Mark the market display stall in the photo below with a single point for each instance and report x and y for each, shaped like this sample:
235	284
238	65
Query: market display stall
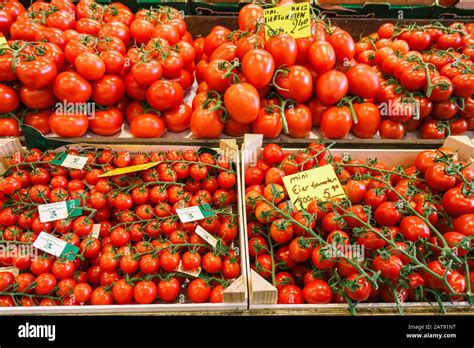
156	160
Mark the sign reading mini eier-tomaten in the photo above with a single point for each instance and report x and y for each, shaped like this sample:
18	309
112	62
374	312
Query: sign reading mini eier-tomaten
315	184
291	19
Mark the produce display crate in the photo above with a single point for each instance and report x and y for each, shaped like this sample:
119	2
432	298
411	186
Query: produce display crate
135	5
397	9
218	7
201	26
263	295
235	296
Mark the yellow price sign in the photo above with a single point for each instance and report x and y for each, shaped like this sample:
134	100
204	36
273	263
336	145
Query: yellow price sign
3	42
318	184
291	19
130	169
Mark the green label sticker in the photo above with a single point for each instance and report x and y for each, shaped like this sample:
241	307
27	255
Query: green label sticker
206	210
69	161
69	253
74	207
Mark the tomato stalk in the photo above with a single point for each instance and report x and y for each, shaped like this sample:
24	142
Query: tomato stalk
229	71
6	293
349	103
468	280
283	117
284	72
395	297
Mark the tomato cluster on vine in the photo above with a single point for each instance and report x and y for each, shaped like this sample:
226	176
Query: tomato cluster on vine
402	233
133	67
143	253
398	80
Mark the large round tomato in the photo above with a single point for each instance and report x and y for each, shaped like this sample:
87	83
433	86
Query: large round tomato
268	123
322	56
463	85
68	125
9	100
249	16
178	119
164	95
299	121
336	122
38	98
206	123
37	73
9	127
90	66
363	81
343	45
283	49
72	87
295	83
147	126
258	67
106	122
391	129
108	90
242	102
368	120
331	87
39	120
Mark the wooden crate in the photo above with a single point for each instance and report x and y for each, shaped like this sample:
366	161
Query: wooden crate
235	296
263	295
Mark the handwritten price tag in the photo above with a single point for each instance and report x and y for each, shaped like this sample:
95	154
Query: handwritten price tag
292	19
315	184
130	169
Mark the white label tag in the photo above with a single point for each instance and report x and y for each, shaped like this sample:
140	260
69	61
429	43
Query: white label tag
50	244
193	273
53	211
194	213
13	270
209	238
74	162
95	231
59	210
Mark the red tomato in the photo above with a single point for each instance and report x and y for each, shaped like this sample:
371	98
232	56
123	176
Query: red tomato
242	102
147	126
